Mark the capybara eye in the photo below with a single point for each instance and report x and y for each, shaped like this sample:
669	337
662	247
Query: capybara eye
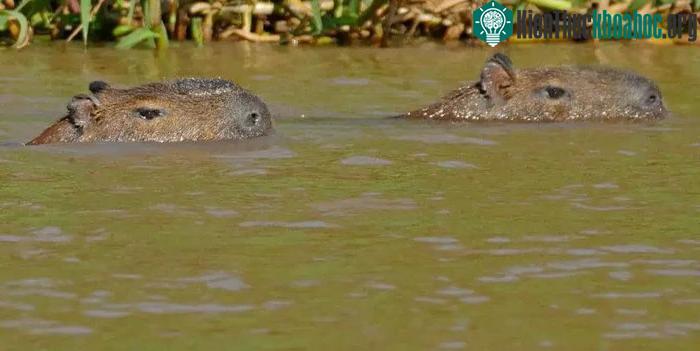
149	113
555	92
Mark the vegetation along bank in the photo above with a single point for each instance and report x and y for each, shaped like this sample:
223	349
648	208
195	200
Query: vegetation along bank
154	23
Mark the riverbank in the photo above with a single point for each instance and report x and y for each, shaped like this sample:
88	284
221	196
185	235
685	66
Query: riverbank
154	23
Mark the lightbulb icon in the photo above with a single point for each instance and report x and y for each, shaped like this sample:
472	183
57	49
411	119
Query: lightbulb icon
493	20
492	23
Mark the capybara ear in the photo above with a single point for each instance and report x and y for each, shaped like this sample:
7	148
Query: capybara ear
98	86
496	76
80	109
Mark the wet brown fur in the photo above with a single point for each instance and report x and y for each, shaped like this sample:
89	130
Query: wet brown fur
582	93
183	110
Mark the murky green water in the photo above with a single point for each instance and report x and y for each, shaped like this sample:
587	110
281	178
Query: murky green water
345	230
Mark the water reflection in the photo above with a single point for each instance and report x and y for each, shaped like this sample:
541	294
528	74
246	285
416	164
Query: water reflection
347	229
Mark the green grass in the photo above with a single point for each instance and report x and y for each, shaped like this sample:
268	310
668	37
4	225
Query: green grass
8	15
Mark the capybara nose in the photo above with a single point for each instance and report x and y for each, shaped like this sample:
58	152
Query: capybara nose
256	120
253	120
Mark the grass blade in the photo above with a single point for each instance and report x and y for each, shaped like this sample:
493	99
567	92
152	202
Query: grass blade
3	21
162	40
316	14
636	5
196	30
21	6
153	15
85	8
122	30
23	25
552	4
353	8
134	38
130	14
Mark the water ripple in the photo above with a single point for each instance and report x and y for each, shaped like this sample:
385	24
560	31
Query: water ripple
365	161
302	224
42	327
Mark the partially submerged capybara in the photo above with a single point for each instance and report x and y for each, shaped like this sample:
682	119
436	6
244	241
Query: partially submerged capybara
190	109
549	95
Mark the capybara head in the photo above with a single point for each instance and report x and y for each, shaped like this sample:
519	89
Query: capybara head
190	109
550	94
